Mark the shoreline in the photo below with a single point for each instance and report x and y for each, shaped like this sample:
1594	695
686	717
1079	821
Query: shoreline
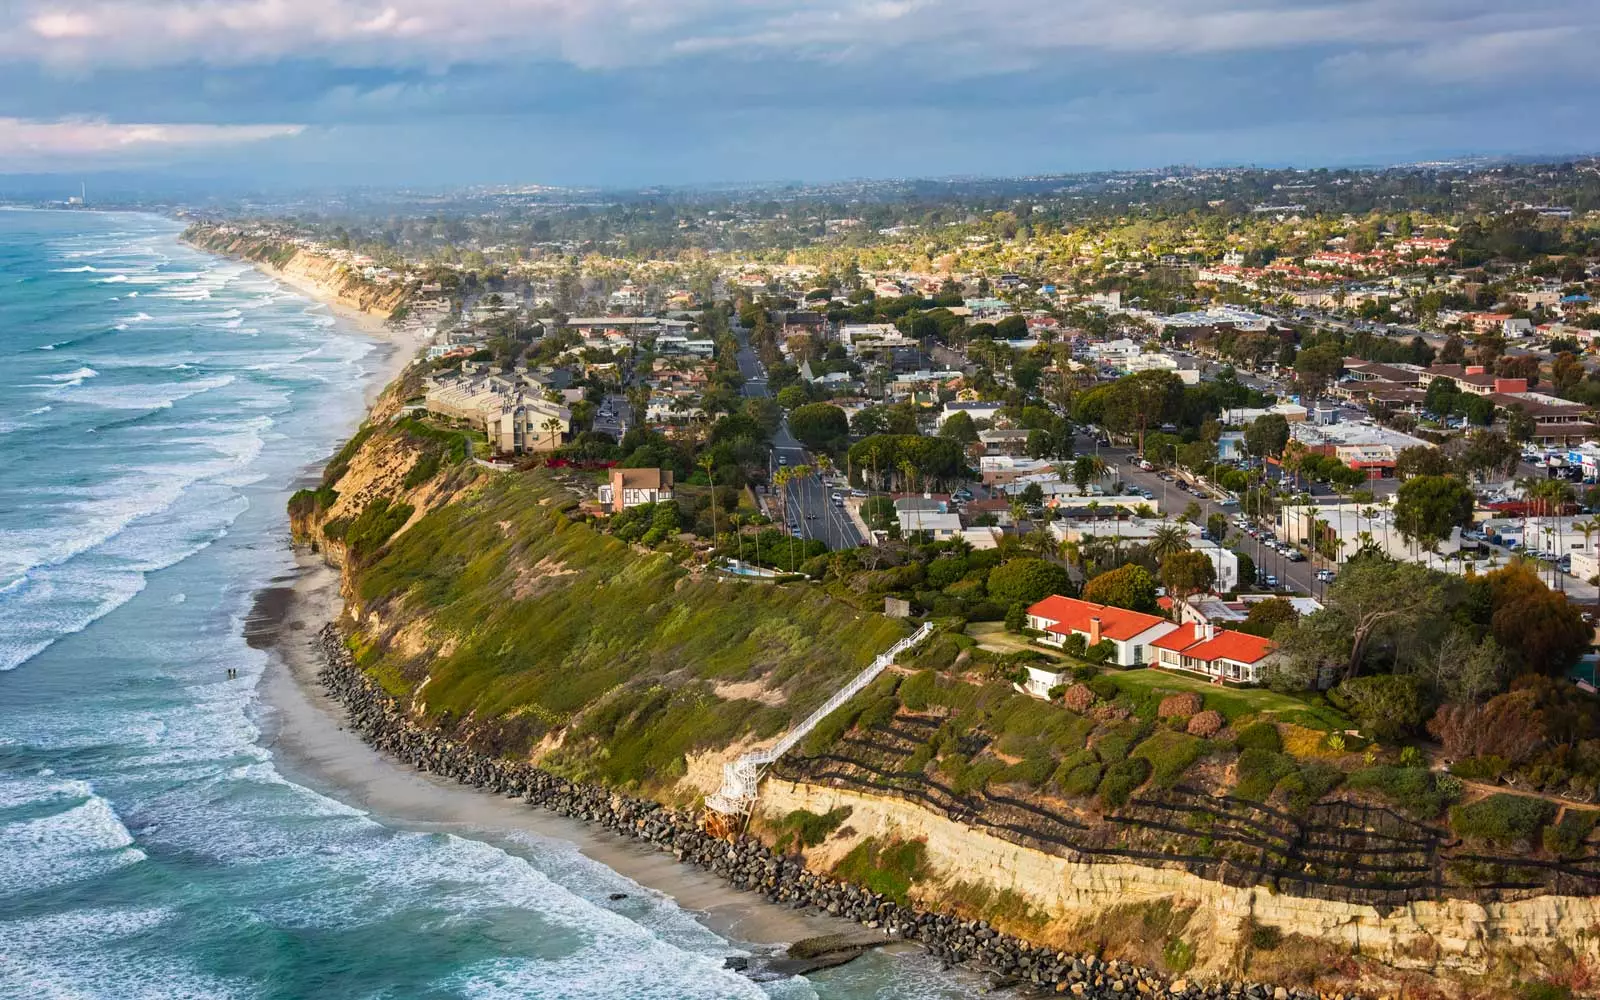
398	347
313	744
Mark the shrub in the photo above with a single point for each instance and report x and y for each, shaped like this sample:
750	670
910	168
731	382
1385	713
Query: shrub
1205	724
1179	705
1104	688
1101	652
1264	937
1414	789
878	713
1306	786
1075	645
1503	820
1170	755
1259	736
1120	781
1081	780
1259	772
1567	837
811	829
1488	768
889	867
917	689
1078	698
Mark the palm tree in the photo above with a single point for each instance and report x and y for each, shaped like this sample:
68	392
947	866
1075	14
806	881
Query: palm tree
1168	538
909	471
552	427
709	466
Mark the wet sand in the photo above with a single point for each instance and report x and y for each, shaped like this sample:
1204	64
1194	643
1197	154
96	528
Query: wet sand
306	732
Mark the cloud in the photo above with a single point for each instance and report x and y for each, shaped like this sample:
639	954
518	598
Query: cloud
26	143
606	34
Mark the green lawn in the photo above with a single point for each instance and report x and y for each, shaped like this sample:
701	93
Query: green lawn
994	637
1231	702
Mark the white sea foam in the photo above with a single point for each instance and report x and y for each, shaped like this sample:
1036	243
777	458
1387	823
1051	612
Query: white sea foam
79	838
86	268
115	279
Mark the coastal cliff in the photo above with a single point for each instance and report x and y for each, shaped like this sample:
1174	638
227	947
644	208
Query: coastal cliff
317	274
496	618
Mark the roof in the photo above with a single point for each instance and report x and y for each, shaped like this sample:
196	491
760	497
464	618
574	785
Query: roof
1072	615
643	479
1190	640
1241	647
1183	636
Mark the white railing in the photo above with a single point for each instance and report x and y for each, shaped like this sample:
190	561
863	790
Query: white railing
742	777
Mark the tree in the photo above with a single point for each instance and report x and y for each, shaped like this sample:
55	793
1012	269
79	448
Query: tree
1032	495
1464	670
1509	726
820	426
1267	435
1143	400
1421	460
1374	600
1265	616
1428	507
1542	629
1027	580
1187	573
1130	587
793	396
959	427
1315	367
1387	706
1520	425
1442	398
1086	469
1168	539
1217	526
1454	351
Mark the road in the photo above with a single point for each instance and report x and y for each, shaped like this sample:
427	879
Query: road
807	503
1298	576
617	424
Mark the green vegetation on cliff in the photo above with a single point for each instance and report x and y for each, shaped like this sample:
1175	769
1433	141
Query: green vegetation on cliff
540	627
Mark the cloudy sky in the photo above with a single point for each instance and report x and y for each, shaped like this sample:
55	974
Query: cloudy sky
686	91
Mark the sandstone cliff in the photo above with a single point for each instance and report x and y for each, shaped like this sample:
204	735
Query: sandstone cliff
315	274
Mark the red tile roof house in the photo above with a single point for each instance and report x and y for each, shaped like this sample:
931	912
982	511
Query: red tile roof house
1129	631
1220	654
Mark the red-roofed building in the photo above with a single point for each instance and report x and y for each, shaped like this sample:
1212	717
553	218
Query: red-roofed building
1131	632
1220	654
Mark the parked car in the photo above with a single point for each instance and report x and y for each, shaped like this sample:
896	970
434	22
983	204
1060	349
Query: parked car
1270	580
1295	555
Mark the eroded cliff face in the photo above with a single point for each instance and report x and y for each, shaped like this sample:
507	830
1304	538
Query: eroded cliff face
1461	946
313	273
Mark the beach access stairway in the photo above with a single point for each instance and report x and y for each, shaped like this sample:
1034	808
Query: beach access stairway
742	778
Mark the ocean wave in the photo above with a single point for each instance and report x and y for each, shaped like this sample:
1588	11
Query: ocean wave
115	279
72	835
85	269
72	378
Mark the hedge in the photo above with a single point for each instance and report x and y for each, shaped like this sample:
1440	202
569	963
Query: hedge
1259	736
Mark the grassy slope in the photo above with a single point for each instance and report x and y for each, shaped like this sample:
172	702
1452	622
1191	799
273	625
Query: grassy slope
622	649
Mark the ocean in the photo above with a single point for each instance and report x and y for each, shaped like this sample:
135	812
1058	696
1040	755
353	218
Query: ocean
157	404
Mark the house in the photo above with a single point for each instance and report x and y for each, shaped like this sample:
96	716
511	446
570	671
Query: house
1219	654
1130	632
938	526
1224	560
632	487
975	410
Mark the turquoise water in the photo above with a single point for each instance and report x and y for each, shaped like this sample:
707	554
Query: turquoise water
156	403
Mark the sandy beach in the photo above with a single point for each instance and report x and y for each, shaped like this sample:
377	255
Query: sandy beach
399	344
306	732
